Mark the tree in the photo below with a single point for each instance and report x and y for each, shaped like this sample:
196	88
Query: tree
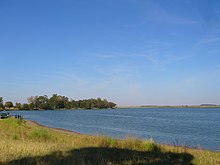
87	104
1	103
59	102
25	107
42	102
18	106
73	104
104	103
93	103
111	105
99	103
32	100
8	104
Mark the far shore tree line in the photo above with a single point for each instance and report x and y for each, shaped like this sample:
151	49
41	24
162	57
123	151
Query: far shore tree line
57	102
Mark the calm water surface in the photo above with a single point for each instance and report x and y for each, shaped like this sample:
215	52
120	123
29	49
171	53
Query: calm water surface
192	127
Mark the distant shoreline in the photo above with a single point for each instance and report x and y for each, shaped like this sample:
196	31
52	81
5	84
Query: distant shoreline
168	106
119	107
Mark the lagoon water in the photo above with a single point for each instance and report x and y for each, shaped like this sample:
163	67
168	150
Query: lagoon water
192	127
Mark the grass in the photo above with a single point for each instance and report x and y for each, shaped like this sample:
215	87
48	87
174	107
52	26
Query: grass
40	134
24	142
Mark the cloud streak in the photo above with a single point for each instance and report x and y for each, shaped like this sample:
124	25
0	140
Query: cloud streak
209	40
157	13
161	63
157	62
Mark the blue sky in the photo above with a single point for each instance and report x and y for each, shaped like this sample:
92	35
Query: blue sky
132	52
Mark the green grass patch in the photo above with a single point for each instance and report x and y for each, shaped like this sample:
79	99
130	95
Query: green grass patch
40	134
13	122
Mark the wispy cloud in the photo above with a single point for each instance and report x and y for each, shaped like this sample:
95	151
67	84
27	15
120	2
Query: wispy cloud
63	77
204	42
165	17
159	14
152	57
107	55
204	77
160	43
161	63
209	40
117	85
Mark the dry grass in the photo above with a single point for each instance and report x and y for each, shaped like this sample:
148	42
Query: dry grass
28	143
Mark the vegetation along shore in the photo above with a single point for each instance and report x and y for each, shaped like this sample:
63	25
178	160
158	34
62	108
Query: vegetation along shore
56	102
26	142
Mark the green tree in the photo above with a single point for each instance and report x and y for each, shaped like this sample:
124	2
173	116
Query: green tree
111	105
1	103
32	101
42	102
8	104
104	104
87	104
99	103
18	106
59	102
93	103
73	104
25	107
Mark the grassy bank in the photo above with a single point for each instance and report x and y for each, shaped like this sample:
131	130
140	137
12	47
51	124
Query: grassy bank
25	142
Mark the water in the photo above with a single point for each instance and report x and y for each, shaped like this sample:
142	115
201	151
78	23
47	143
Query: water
191	127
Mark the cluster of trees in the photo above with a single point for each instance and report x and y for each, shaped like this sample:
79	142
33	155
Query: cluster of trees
8	104
58	102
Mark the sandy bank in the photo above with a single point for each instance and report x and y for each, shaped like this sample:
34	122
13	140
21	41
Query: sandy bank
34	123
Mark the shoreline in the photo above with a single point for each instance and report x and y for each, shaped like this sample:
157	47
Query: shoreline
30	142
61	130
66	131
168	106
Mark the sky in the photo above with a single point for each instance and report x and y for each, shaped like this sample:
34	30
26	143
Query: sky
131	52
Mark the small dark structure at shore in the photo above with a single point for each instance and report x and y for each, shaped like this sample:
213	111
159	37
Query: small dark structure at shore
18	117
4	115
